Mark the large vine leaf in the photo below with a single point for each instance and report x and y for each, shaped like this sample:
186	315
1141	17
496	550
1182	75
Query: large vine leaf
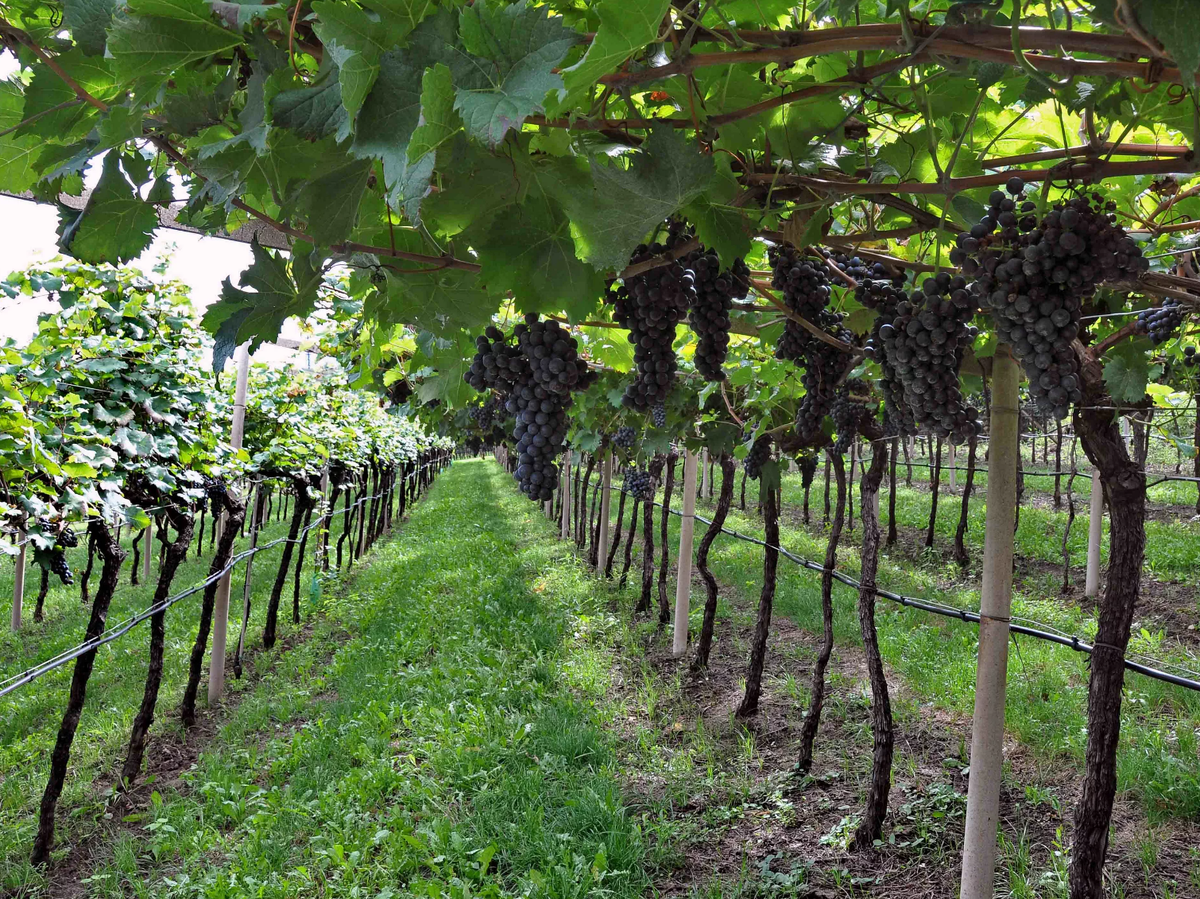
114	226
257	315
506	65
88	22
626	26
17	152
438	121
439	301
356	41
155	37
529	250
1127	371
624	204
390	115
315	111
330	203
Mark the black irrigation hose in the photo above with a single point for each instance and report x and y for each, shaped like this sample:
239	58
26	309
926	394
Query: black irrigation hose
32	674
913	602
1049	473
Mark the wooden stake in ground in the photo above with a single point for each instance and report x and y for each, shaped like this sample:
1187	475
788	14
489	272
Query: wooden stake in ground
987	729
565	490
664	559
616	537
1091	587
216	666
683	580
934	481
19	581
605	502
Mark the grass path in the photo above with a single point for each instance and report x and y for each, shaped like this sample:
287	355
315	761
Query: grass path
440	733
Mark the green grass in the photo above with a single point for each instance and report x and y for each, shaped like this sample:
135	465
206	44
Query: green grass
440	733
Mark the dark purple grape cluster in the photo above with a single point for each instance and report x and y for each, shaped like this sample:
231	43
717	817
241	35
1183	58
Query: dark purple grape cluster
497	365
808	468
58	565
68	538
1161	322
552	354
884	293
215	490
806	292
848	411
650	305
1035	276
805	287
1190	358
658	415
709	317
625	437
485	413
924	340
639	484
760	452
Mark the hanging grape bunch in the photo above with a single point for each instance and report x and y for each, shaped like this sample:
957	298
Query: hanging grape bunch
1160	323
1190	358
759	453
884	294
1035	277
924	342
214	490
806	292
552	354
625	437
848	411
808	468
483	414
658	415
709	317
497	365
650	305
639	484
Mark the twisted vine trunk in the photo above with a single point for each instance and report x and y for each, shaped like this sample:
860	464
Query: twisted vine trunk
704	644
335	490
285	565
891	537
633	520
1058	464
766	600
664	608
347	523
935	481
300	563
643	604
136	567
236	512
812	717
1125	487
581	507
183	522
594	522
111	557
743	501
960	535
616	540
870	828
825	517
39	610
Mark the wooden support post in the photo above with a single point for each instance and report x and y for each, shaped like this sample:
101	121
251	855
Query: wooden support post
147	549
220	625
953	472
19	582
1091	586
566	496
987	729
683	584
605	500
704	487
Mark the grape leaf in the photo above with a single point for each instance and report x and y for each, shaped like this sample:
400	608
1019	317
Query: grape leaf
438	122
720	225
1173	22
88	22
315	111
356	42
17	173
155	37
330	203
47	91
450	360
390	114
528	249
402	16
240	316
623	204
626	26
115	225
1127	370
506	65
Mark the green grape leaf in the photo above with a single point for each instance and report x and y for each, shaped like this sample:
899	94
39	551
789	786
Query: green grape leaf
315	111
390	115
17	152
1173	22
47	92
506	65
88	22
356	41
330	203
450	360
528	249
152	38
438	122
402	16
115	225
1127	371
626	26
624	204
240	315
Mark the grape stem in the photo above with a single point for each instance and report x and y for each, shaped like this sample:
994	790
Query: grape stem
765	291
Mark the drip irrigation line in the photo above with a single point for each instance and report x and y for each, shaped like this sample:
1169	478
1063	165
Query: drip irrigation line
1039	632
26	677
1049	473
